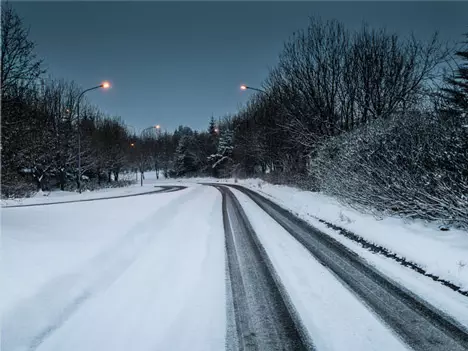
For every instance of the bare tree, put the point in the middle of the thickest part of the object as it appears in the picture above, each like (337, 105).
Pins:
(391, 74)
(19, 64)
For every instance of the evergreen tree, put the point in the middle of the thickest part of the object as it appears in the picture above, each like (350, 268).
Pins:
(185, 157)
(212, 146)
(224, 153)
(212, 127)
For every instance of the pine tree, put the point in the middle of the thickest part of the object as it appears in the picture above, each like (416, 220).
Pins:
(224, 152)
(185, 157)
(212, 127)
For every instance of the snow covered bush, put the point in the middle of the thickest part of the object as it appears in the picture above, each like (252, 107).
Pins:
(94, 185)
(14, 186)
(302, 181)
(415, 165)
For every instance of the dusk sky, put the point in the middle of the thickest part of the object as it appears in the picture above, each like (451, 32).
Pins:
(173, 63)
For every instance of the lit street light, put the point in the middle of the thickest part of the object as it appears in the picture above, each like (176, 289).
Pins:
(245, 87)
(104, 85)
(157, 126)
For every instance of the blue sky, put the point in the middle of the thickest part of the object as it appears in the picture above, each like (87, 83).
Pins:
(173, 63)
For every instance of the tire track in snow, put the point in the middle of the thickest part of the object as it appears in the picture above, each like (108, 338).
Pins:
(165, 189)
(26, 326)
(379, 249)
(265, 317)
(420, 325)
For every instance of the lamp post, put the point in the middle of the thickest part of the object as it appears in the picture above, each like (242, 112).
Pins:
(156, 163)
(132, 145)
(245, 87)
(104, 85)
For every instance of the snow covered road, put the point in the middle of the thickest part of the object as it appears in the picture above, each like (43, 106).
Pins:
(264, 316)
(161, 189)
(140, 289)
(199, 269)
(419, 324)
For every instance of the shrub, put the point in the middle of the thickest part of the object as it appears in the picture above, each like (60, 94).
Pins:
(414, 165)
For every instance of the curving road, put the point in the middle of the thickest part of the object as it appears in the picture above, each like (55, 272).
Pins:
(206, 268)
(164, 189)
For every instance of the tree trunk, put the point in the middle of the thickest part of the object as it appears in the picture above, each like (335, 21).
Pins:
(45, 186)
(62, 179)
(109, 176)
(38, 181)
(166, 171)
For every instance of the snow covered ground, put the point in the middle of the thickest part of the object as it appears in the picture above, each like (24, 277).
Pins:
(149, 184)
(142, 273)
(148, 272)
(442, 253)
(64, 196)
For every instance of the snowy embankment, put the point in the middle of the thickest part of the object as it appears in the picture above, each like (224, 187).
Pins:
(441, 253)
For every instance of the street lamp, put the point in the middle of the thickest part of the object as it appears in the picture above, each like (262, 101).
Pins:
(156, 164)
(157, 126)
(104, 85)
(245, 87)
